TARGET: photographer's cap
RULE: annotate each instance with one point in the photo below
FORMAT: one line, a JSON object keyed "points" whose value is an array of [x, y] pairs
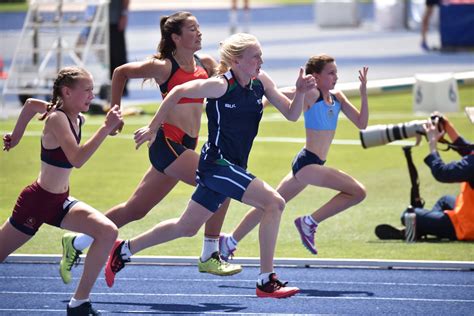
{"points": [[470, 113]]}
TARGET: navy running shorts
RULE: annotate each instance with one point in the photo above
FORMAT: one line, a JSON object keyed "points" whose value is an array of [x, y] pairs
{"points": [[304, 158], [218, 180], [169, 144], [36, 206]]}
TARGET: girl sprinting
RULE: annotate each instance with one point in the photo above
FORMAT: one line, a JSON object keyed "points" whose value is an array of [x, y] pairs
{"points": [[47, 200], [321, 111]]}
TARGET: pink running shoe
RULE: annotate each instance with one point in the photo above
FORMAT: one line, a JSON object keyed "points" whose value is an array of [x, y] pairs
{"points": [[306, 234], [115, 263], [226, 248]]}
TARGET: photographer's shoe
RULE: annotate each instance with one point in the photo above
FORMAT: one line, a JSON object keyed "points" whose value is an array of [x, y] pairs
{"points": [[85, 309], [388, 232], [307, 234], [215, 265], [70, 257], [274, 288]]}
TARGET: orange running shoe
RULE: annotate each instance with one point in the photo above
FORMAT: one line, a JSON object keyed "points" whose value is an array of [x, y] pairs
{"points": [[274, 288], [115, 263]]}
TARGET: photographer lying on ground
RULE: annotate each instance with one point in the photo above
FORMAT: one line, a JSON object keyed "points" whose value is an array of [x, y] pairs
{"points": [[451, 217]]}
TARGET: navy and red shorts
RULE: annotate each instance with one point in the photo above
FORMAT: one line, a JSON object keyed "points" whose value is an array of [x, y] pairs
{"points": [[169, 144], [36, 206]]}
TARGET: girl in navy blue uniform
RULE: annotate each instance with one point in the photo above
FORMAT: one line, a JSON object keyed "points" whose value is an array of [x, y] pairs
{"points": [[321, 111], [234, 109], [47, 200], [173, 157]]}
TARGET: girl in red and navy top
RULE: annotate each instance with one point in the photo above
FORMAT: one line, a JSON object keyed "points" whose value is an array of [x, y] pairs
{"points": [[172, 152]]}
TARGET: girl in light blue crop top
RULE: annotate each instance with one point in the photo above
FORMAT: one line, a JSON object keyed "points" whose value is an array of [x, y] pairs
{"points": [[321, 111], [322, 116]]}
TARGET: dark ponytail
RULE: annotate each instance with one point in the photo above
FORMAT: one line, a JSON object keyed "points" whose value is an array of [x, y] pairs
{"points": [[170, 25]]}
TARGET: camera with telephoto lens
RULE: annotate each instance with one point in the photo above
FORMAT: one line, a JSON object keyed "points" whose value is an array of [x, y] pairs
{"points": [[377, 135]]}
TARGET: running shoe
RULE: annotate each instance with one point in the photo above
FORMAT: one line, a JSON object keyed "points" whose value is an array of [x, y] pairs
{"points": [[115, 263], [425, 47], [274, 288], [84, 309], [226, 248], [71, 257], [215, 265], [307, 234], [388, 232]]}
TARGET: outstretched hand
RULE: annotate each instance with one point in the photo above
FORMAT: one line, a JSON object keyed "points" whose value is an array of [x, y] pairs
{"points": [[305, 83], [363, 79], [142, 135]]}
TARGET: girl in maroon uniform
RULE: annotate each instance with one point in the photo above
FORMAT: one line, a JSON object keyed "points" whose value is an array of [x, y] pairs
{"points": [[47, 200]]}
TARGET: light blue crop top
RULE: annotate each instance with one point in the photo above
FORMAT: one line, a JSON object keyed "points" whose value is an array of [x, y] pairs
{"points": [[322, 116]]}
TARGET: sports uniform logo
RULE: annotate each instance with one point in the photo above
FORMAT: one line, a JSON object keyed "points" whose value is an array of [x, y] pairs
{"points": [[230, 106], [30, 222]]}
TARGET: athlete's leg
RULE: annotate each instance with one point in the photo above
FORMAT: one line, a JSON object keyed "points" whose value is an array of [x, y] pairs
{"points": [[261, 195], [187, 225], [351, 192], [11, 239], [85, 219], [184, 169], [153, 188], [288, 188]]}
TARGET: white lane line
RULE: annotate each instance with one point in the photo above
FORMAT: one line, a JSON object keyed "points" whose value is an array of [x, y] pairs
{"points": [[215, 295], [272, 117], [296, 140], [253, 281]]}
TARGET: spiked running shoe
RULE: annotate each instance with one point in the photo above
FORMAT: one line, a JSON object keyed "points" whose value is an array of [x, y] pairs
{"points": [[71, 257], [274, 288], [215, 265], [306, 234], [226, 249], [84, 309], [115, 263]]}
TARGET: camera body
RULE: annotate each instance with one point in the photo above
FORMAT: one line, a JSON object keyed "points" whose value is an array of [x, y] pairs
{"points": [[377, 135]]}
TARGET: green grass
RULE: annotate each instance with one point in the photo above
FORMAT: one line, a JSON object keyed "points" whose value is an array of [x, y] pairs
{"points": [[114, 171], [19, 6]]}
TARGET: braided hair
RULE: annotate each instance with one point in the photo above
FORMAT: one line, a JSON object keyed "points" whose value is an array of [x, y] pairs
{"points": [[67, 77]]}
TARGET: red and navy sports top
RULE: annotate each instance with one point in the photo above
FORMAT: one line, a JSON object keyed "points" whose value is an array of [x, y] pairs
{"points": [[179, 76], [56, 157]]}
